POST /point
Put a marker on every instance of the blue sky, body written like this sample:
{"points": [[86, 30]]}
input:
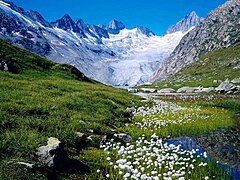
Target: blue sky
{"points": [[157, 15]]}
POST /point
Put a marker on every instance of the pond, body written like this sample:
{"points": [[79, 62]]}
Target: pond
{"points": [[188, 143]]}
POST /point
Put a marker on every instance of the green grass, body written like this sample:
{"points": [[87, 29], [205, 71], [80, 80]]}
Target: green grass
{"points": [[202, 120], [41, 99], [216, 65]]}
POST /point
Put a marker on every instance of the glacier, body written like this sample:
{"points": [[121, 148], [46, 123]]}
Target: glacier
{"points": [[112, 54], [138, 55]]}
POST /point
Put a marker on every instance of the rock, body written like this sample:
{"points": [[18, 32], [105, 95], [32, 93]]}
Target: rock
{"points": [[47, 154], [81, 141], [148, 83], [185, 90], [130, 111], [225, 87], [82, 122], [149, 90], [227, 80], [197, 89], [123, 137], [166, 90], [103, 140], [235, 80], [90, 130], [132, 90], [80, 135], [53, 156], [208, 90], [217, 81]]}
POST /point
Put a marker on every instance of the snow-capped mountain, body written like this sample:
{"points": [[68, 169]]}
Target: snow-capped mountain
{"points": [[192, 19], [110, 54]]}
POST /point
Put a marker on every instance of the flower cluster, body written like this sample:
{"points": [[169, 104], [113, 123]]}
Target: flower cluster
{"points": [[163, 114], [152, 159]]}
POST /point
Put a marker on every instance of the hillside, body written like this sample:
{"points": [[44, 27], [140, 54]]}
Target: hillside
{"points": [[216, 65], [41, 99], [219, 30]]}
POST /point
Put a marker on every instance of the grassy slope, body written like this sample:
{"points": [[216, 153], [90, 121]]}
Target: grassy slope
{"points": [[40, 99], [220, 64]]}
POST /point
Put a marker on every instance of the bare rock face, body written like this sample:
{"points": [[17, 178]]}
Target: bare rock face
{"points": [[220, 29]]}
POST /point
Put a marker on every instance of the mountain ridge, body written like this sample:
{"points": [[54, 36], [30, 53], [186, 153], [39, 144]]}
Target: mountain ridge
{"points": [[220, 29]]}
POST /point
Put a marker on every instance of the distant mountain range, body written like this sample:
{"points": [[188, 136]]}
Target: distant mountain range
{"points": [[110, 54], [219, 30]]}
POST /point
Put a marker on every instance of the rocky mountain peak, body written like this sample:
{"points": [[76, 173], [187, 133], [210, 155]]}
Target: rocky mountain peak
{"points": [[115, 26], [80, 23], [192, 19], [66, 23], [145, 31]]}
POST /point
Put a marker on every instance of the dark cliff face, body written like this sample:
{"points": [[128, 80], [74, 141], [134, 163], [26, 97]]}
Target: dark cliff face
{"points": [[192, 19], [220, 29]]}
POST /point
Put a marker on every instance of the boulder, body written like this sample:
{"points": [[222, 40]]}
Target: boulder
{"points": [[186, 90], [49, 153], [148, 83], [235, 80], [132, 90], [166, 90], [208, 90], [53, 156], [225, 87], [217, 81], [197, 89], [149, 90], [130, 111], [81, 141], [123, 137]]}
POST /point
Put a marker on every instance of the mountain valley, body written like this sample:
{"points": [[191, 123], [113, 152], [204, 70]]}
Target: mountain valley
{"points": [[81, 101], [110, 54]]}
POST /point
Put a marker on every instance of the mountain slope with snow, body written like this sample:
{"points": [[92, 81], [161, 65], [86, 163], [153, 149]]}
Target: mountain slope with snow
{"points": [[110, 54], [139, 55]]}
